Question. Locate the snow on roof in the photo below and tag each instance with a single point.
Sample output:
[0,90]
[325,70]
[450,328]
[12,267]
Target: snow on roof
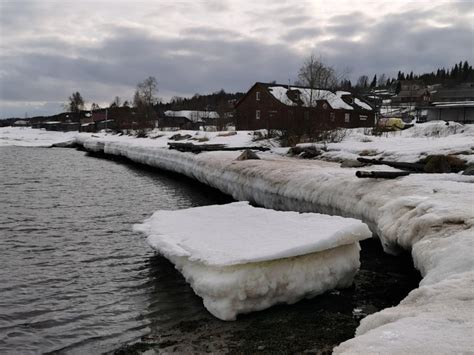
[211,235]
[194,116]
[309,97]
[362,104]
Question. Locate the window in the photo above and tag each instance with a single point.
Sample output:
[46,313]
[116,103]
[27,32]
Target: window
[347,117]
[257,114]
[257,95]
[332,116]
[363,118]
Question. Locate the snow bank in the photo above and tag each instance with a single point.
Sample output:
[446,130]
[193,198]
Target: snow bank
[29,137]
[409,145]
[240,258]
[430,214]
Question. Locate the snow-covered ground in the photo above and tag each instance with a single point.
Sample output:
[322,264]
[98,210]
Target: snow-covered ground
[239,258]
[430,214]
[28,137]
[409,145]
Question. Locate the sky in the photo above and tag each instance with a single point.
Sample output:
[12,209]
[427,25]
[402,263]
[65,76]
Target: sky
[50,49]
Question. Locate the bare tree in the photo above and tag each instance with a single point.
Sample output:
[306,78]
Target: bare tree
[116,102]
[363,81]
[147,91]
[315,74]
[144,99]
[75,103]
[95,106]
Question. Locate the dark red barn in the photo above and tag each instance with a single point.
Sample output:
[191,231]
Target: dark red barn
[275,106]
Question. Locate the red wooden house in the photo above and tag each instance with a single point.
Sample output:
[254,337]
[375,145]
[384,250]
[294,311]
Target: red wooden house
[284,107]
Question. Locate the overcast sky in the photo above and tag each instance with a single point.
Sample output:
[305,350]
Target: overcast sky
[49,49]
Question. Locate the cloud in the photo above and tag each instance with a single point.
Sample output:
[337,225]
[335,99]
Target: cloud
[48,49]
[301,33]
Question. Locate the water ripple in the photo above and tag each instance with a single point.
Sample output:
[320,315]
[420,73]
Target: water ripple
[74,277]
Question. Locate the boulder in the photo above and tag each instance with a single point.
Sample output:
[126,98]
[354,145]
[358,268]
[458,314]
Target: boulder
[247,155]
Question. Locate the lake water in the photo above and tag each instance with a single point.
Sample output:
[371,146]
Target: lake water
[75,278]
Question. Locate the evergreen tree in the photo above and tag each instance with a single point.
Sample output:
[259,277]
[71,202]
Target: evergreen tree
[373,84]
[398,88]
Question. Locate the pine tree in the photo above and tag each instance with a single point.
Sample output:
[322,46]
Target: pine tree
[373,84]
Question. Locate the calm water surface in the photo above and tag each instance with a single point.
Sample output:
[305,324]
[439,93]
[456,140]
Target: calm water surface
[75,278]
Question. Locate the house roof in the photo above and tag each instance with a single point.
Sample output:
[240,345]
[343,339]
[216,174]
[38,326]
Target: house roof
[453,93]
[307,97]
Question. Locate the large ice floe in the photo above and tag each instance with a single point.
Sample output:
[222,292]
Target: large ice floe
[240,259]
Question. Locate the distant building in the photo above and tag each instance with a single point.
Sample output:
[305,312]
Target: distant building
[276,106]
[20,123]
[449,104]
[413,92]
[187,119]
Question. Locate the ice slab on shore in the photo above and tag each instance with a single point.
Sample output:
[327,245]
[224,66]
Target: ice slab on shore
[29,137]
[240,259]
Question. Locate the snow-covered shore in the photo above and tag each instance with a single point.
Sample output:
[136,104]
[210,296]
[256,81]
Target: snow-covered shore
[430,214]
[28,137]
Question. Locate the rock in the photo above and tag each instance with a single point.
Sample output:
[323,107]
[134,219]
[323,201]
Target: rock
[305,152]
[351,164]
[469,170]
[248,155]
[443,164]
[180,137]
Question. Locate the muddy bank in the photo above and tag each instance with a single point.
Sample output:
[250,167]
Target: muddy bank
[316,325]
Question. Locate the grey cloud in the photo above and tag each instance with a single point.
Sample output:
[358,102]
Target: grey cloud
[130,56]
[301,33]
[348,25]
[295,20]
[397,44]
[210,32]
[42,67]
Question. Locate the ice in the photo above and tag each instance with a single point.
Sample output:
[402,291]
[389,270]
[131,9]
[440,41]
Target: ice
[429,214]
[239,233]
[28,137]
[240,259]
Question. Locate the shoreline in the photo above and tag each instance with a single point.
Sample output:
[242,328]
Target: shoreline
[410,217]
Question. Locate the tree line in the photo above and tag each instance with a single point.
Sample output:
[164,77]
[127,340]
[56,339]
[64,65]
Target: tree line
[313,73]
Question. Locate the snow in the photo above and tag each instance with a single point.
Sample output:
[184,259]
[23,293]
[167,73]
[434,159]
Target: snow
[210,234]
[239,258]
[362,104]
[309,98]
[409,145]
[431,215]
[29,137]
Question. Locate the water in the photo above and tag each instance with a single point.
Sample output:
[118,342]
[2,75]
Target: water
[75,278]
